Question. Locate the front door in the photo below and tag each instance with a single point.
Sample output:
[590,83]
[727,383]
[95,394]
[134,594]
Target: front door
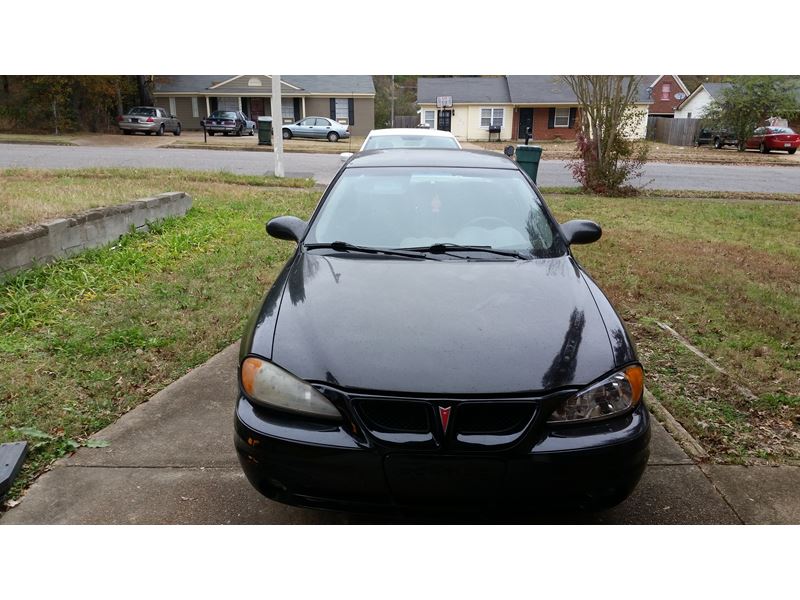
[525,121]
[444,120]
[256,108]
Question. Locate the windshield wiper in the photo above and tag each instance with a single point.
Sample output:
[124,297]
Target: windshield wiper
[347,247]
[443,248]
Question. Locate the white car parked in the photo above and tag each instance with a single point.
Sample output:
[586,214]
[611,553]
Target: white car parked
[383,139]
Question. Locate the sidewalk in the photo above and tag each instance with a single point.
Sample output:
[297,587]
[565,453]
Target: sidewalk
[171,461]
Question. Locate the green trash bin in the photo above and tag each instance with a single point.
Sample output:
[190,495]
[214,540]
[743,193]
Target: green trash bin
[528,159]
[265,131]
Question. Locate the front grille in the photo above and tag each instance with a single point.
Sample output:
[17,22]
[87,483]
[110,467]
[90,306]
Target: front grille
[494,418]
[405,416]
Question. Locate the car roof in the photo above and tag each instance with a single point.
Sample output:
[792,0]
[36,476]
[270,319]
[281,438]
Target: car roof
[423,157]
[410,131]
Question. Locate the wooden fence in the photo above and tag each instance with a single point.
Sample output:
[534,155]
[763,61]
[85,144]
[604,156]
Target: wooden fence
[411,121]
[676,132]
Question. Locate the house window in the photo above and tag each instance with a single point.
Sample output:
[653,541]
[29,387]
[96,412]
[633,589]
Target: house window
[666,88]
[254,82]
[491,117]
[689,116]
[172,109]
[561,118]
[342,109]
[195,108]
[429,118]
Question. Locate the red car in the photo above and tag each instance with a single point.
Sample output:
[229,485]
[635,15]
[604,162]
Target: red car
[774,138]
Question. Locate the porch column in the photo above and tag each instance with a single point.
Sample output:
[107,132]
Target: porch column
[240,103]
[208,106]
[303,107]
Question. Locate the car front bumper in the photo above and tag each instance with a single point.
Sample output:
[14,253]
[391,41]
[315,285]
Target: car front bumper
[324,466]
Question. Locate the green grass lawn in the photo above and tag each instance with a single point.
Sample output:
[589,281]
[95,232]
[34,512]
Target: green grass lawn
[86,339]
[725,275]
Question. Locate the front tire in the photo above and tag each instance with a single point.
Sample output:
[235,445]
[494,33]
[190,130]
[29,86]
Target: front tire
[333,136]
[240,131]
[160,130]
[792,151]
[177,131]
[718,143]
[287,135]
[763,149]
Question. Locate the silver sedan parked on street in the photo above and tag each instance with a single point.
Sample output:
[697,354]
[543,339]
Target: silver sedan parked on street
[316,127]
[148,119]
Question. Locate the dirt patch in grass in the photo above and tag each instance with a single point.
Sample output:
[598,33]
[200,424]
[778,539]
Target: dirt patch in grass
[46,140]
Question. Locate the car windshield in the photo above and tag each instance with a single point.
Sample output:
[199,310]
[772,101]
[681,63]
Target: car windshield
[142,111]
[222,114]
[404,207]
[382,142]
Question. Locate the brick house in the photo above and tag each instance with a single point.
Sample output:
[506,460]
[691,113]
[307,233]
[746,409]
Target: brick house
[511,103]
[668,91]
[349,99]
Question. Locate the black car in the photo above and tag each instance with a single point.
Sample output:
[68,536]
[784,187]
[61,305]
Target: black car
[229,122]
[433,344]
[715,137]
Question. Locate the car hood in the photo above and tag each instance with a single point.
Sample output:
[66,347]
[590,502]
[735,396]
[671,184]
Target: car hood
[440,327]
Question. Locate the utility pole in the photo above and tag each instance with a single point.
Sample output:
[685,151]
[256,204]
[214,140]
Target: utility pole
[277,122]
[392,97]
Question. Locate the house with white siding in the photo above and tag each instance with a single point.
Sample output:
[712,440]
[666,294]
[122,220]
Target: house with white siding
[696,103]
[480,106]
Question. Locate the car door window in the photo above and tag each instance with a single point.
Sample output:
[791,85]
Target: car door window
[323,123]
[307,122]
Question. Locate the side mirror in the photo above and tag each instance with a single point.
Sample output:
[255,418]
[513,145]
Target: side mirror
[345,155]
[580,231]
[287,228]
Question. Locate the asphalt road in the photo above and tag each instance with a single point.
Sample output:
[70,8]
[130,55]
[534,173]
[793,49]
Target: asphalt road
[324,166]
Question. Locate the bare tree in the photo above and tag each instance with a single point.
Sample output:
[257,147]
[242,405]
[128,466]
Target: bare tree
[609,157]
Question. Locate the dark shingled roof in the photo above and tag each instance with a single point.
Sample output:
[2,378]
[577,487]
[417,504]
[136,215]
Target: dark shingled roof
[715,89]
[517,89]
[546,89]
[463,89]
[319,84]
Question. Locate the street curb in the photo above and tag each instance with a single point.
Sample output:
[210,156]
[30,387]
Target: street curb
[690,445]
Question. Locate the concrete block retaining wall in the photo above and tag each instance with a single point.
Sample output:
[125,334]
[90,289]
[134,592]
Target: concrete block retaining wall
[60,238]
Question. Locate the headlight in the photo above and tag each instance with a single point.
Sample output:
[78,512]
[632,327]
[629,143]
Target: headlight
[613,395]
[271,386]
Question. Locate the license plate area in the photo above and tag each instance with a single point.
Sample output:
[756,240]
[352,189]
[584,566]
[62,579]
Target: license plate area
[134,120]
[431,479]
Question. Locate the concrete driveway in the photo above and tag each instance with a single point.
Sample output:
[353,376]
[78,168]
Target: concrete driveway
[172,460]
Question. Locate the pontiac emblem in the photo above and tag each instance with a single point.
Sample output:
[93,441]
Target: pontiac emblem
[444,416]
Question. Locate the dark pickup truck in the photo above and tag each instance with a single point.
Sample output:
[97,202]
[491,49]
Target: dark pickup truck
[716,137]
